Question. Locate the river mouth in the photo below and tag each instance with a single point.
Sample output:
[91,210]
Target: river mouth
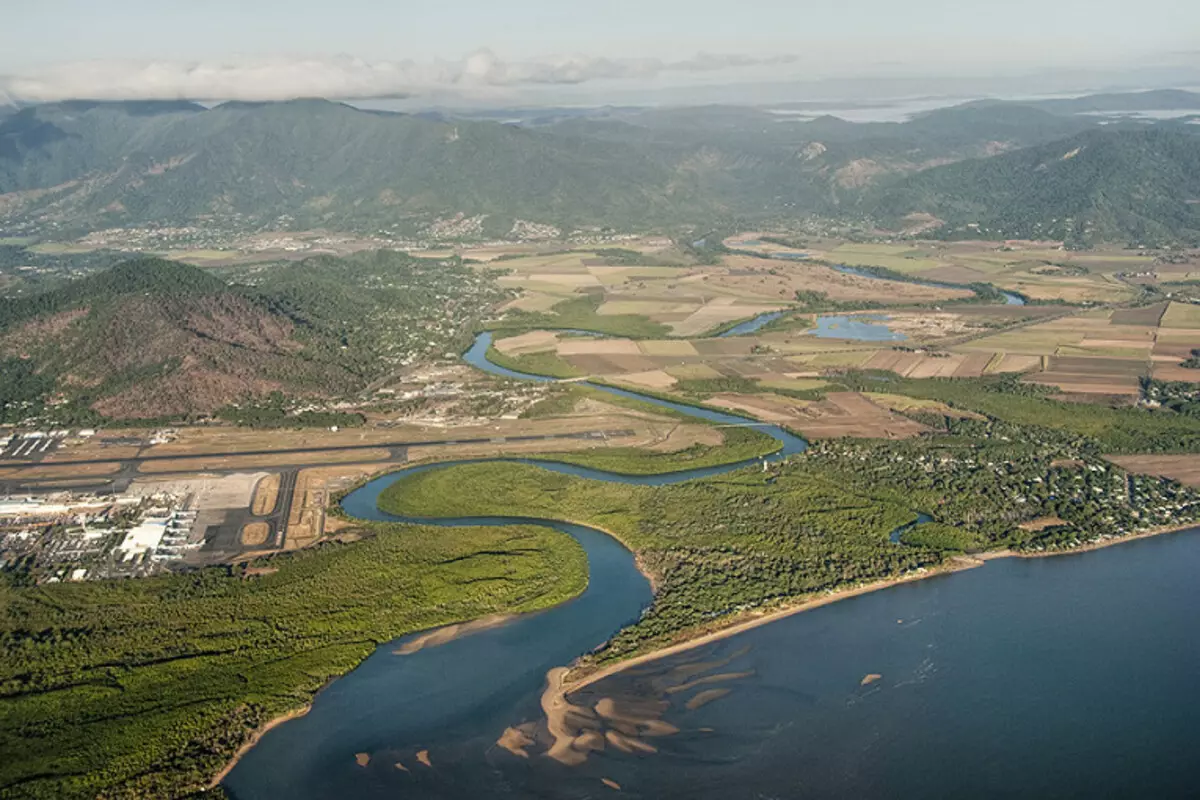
[461,695]
[370,732]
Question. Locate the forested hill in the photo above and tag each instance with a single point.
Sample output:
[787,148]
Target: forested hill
[71,167]
[320,163]
[1138,186]
[151,338]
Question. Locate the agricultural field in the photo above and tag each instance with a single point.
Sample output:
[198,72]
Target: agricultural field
[1079,335]
[1183,468]
[1037,270]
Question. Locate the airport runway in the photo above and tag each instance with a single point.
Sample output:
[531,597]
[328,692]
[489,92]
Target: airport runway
[130,468]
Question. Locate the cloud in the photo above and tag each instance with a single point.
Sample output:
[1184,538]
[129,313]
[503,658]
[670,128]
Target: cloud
[340,77]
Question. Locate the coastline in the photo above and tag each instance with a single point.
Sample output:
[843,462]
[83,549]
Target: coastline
[258,733]
[570,683]
[758,619]
[1103,543]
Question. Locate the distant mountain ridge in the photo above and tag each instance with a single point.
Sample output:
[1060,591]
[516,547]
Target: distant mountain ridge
[77,166]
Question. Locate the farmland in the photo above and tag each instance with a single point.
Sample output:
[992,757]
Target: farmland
[1082,334]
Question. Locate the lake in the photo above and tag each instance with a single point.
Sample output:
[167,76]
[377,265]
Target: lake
[862,327]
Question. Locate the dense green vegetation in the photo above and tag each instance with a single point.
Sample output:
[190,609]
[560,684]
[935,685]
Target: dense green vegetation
[1121,185]
[547,364]
[145,688]
[21,389]
[1181,397]
[1113,430]
[312,164]
[986,478]
[320,164]
[715,546]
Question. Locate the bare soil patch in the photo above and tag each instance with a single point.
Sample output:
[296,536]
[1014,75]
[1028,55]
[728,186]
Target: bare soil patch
[255,534]
[265,495]
[1183,468]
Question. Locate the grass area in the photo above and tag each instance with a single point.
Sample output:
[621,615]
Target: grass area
[715,546]
[794,322]
[548,364]
[580,313]
[895,257]
[741,444]
[146,688]
[1182,315]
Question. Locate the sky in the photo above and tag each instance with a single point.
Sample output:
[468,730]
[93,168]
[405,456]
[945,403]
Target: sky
[268,49]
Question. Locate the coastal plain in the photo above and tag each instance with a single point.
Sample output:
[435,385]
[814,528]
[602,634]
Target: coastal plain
[1006,425]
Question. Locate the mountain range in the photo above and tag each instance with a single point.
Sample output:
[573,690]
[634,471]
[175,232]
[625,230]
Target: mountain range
[75,166]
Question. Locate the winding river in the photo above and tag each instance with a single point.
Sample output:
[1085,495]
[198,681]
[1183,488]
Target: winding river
[1046,677]
[457,696]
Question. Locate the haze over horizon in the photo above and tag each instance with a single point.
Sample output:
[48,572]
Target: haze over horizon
[536,52]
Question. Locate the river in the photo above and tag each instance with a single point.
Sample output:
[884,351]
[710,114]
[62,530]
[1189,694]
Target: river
[1010,298]
[1063,676]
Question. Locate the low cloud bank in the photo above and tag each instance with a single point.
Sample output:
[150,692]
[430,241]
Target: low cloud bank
[340,77]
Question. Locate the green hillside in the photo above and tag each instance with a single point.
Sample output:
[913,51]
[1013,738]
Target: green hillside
[304,164]
[320,163]
[155,339]
[1138,186]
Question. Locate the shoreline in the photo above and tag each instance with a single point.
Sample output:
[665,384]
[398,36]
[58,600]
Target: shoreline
[258,733]
[954,564]
[569,683]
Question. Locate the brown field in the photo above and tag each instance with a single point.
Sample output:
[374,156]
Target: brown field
[692,372]
[717,312]
[1174,372]
[653,379]
[1182,315]
[1148,315]
[533,301]
[1183,468]
[752,277]
[839,414]
[1007,362]
[532,342]
[255,534]
[590,347]
[667,348]
[738,346]
[611,365]
[1074,385]
[265,495]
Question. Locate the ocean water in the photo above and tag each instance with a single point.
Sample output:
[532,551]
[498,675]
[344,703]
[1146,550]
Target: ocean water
[1072,676]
